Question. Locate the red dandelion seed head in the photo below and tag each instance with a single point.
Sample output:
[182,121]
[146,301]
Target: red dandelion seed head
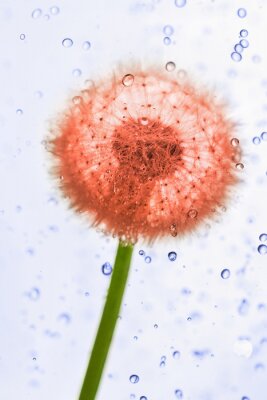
[144,155]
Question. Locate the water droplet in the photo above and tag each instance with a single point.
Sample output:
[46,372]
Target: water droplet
[38,94]
[180,3]
[176,354]
[132,396]
[264,135]
[236,56]
[67,42]
[225,274]
[263,237]
[162,364]
[178,393]
[168,30]
[243,307]
[76,72]
[143,398]
[244,43]
[22,36]
[106,268]
[262,249]
[170,66]
[256,140]
[259,367]
[239,166]
[64,317]
[173,230]
[134,378]
[36,13]
[156,326]
[54,10]
[86,45]
[192,213]
[141,252]
[242,12]
[86,294]
[46,17]
[148,259]
[238,48]
[243,348]
[128,80]
[34,358]
[34,294]
[167,40]
[19,111]
[245,398]
[172,256]
[243,33]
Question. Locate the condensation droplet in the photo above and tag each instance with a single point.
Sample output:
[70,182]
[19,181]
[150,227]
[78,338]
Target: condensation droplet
[180,3]
[22,36]
[192,213]
[134,378]
[243,33]
[86,45]
[225,274]
[19,111]
[106,268]
[256,140]
[245,398]
[263,237]
[143,398]
[264,136]
[244,43]
[54,10]
[170,66]
[239,166]
[172,256]
[262,249]
[141,252]
[178,393]
[67,42]
[238,48]
[34,294]
[148,259]
[242,12]
[181,74]
[76,72]
[176,354]
[234,142]
[36,13]
[64,318]
[128,80]
[236,56]
[168,30]
[167,40]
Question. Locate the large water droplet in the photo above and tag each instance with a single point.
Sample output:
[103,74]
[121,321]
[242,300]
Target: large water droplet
[67,42]
[225,274]
[170,66]
[262,249]
[128,80]
[134,378]
[172,256]
[106,268]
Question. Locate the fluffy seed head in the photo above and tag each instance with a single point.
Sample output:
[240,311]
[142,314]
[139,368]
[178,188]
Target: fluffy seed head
[144,155]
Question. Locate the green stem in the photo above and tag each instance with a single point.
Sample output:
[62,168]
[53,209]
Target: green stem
[108,322]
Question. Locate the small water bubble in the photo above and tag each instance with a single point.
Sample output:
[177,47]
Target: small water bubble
[38,94]
[86,294]
[128,80]
[162,364]
[176,354]
[192,213]
[240,166]
[243,33]
[64,318]
[156,326]
[243,307]
[178,393]
[245,398]
[168,30]
[34,294]
[180,3]
[19,111]
[264,136]
[170,66]
[22,36]
[263,237]
[236,56]
[106,268]
[172,256]
[54,10]
[256,140]
[134,378]
[262,249]
[141,252]
[242,12]
[67,42]
[244,43]
[36,13]
[259,367]
[132,396]
[225,274]
[76,72]
[86,45]
[238,48]
[34,359]
[143,398]
[167,40]
[148,259]
[46,17]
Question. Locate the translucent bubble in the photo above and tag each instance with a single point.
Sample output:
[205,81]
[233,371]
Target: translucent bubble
[262,249]
[245,398]
[168,30]
[76,72]
[36,13]
[46,17]
[148,259]
[243,348]
[259,367]
[176,354]
[141,252]
[106,268]
[143,398]
[86,294]
[34,294]
[192,213]
[181,74]
[170,66]
[264,135]
[22,36]
[156,326]
[64,318]
[236,56]
[167,40]
[242,12]
[19,111]
[180,3]
[243,307]
[86,45]
[263,237]
[225,274]
[239,166]
[128,80]
[238,48]
[54,10]
[67,42]
[134,378]
[172,256]
[243,33]
[256,140]
[244,43]
[178,393]
[234,142]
